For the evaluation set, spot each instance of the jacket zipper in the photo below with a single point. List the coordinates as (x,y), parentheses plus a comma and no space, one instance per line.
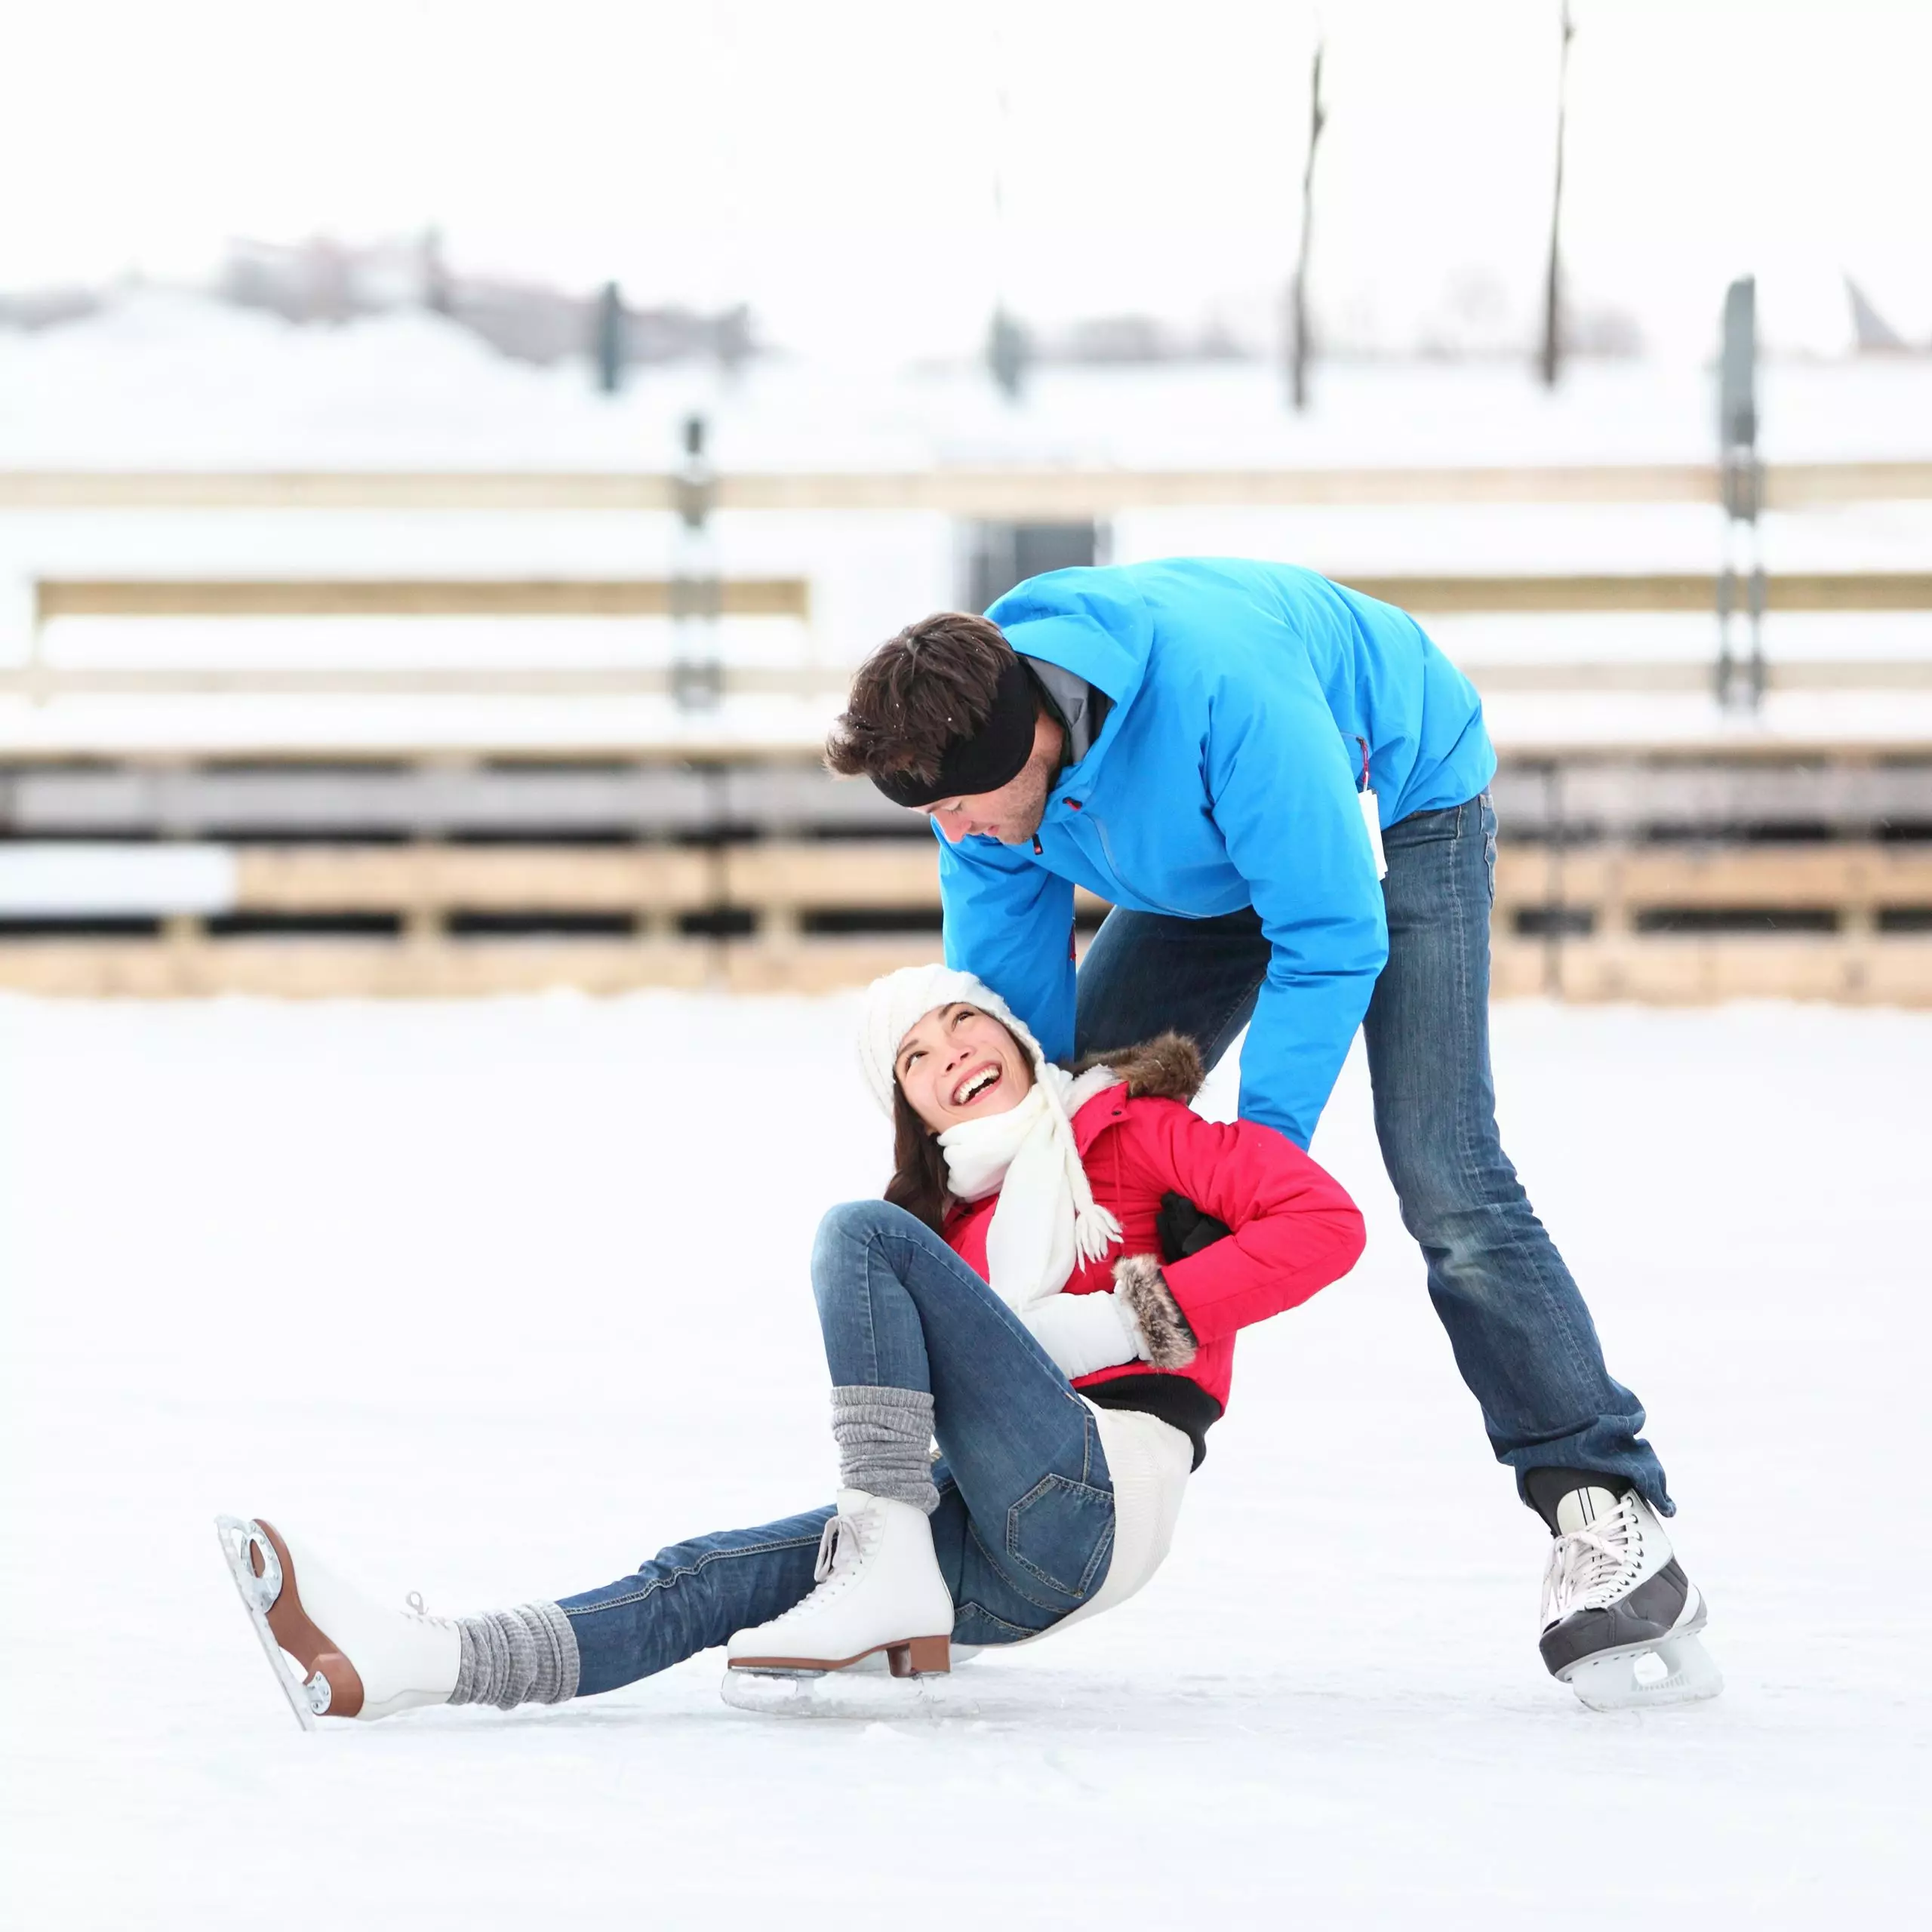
(1106,846)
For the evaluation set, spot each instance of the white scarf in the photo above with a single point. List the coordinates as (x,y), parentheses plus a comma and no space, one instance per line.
(1047,1218)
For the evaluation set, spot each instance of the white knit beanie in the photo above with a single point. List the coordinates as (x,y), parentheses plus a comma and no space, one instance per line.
(897,1003)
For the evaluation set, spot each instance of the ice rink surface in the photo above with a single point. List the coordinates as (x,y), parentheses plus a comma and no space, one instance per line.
(495,1299)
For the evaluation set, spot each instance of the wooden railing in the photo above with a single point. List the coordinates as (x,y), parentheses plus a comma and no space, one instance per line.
(1633,593)
(407,597)
(1577,923)
(1029,494)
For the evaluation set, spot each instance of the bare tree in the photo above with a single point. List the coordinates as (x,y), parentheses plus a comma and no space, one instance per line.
(1552,298)
(1298,348)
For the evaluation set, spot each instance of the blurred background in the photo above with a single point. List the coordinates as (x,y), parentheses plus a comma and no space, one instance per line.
(451,456)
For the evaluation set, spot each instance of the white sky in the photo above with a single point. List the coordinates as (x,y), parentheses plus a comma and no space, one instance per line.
(833,161)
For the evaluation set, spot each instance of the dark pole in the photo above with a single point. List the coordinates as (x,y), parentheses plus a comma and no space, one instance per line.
(1552,312)
(1318,117)
(1743,492)
(609,346)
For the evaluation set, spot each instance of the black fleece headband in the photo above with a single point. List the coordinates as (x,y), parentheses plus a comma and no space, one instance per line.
(985,760)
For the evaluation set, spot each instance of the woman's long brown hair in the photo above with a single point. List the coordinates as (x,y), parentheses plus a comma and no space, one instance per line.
(918,1166)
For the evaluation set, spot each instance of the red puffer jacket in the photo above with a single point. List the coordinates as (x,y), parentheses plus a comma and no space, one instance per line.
(1294,1229)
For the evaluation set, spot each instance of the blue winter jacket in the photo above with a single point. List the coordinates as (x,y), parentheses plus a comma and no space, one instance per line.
(1225,776)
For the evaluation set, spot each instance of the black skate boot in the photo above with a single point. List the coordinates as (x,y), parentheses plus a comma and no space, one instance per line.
(1620,1619)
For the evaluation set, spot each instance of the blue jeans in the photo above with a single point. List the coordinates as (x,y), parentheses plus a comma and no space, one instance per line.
(1522,1336)
(1025,1528)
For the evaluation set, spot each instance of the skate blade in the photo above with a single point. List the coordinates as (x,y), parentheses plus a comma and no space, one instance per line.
(865,1695)
(258,1596)
(1674,1670)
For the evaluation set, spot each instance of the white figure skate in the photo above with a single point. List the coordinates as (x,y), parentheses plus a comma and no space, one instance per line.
(1620,1619)
(352,1657)
(879,1594)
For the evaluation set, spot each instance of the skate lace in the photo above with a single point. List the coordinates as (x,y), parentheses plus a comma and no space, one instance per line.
(842,1542)
(1587,1567)
(414,1601)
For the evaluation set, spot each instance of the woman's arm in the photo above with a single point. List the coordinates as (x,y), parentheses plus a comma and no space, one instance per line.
(1294,1228)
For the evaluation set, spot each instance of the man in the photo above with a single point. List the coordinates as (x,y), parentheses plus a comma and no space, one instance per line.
(1225,751)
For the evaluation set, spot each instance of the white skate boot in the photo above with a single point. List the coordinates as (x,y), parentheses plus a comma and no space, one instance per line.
(879,1591)
(356,1658)
(1620,1619)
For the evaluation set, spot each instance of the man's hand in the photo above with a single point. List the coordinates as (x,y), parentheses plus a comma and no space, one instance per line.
(1184,1229)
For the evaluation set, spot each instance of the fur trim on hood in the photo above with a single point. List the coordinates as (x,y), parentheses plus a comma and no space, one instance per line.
(1166,1068)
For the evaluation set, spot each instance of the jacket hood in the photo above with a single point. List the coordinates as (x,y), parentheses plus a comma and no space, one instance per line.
(1166,1068)
(1093,622)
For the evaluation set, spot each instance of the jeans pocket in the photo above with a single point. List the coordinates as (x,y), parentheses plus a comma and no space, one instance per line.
(1062,1532)
(1488,811)
(973,1624)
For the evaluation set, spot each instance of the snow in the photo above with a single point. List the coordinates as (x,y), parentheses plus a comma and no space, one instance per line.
(496,1298)
(61,879)
(174,381)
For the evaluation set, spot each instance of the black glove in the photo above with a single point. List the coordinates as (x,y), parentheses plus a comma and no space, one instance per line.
(1184,1229)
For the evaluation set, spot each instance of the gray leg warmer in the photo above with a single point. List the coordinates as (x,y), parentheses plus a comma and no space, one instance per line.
(885,1437)
(524,1655)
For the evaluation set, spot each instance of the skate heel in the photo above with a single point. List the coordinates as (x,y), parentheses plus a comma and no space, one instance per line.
(920,1657)
(333,1689)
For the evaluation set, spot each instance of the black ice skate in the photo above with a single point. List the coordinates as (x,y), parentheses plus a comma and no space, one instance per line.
(1620,1619)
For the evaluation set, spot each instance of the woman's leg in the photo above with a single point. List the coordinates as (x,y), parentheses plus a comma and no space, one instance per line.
(917,1342)
(690,1597)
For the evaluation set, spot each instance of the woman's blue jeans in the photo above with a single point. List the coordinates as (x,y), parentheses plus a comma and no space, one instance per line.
(1025,1528)
(1522,1336)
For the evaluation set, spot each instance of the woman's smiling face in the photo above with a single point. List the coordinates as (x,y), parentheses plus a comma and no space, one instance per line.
(957,1063)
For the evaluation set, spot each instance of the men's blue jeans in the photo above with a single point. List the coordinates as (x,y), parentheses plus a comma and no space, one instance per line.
(1025,1528)
(1522,1336)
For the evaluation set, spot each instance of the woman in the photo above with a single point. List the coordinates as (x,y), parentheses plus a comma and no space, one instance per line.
(1005,1296)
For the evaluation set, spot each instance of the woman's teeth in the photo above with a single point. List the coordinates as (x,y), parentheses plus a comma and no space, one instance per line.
(969,1090)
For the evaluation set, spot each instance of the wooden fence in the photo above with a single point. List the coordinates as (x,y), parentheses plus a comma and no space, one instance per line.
(1666,924)
(1026,494)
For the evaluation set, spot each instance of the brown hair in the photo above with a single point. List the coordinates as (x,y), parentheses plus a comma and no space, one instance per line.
(933,683)
(918,1166)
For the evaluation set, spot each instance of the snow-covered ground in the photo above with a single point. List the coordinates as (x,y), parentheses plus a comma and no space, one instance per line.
(175,381)
(498,1297)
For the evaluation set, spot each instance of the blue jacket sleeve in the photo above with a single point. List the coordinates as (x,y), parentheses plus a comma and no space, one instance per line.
(1284,799)
(1010,922)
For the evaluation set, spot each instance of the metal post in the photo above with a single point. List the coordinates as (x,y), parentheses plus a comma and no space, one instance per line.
(1552,300)
(611,345)
(1740,686)
(697,597)
(1298,345)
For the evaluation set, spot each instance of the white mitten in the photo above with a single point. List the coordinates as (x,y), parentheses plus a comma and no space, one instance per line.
(1085,1333)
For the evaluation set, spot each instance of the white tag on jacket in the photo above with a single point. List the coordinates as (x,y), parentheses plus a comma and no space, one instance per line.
(1371,816)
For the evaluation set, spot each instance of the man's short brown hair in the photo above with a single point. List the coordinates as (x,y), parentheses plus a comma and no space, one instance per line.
(915,694)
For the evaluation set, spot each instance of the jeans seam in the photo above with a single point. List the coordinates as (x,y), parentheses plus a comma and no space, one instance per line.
(870,1327)
(678,1575)
(1465,1128)
(880,1236)
(1019,1630)
(1208,1046)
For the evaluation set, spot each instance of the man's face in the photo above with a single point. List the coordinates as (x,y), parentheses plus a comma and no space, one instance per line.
(1012,813)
